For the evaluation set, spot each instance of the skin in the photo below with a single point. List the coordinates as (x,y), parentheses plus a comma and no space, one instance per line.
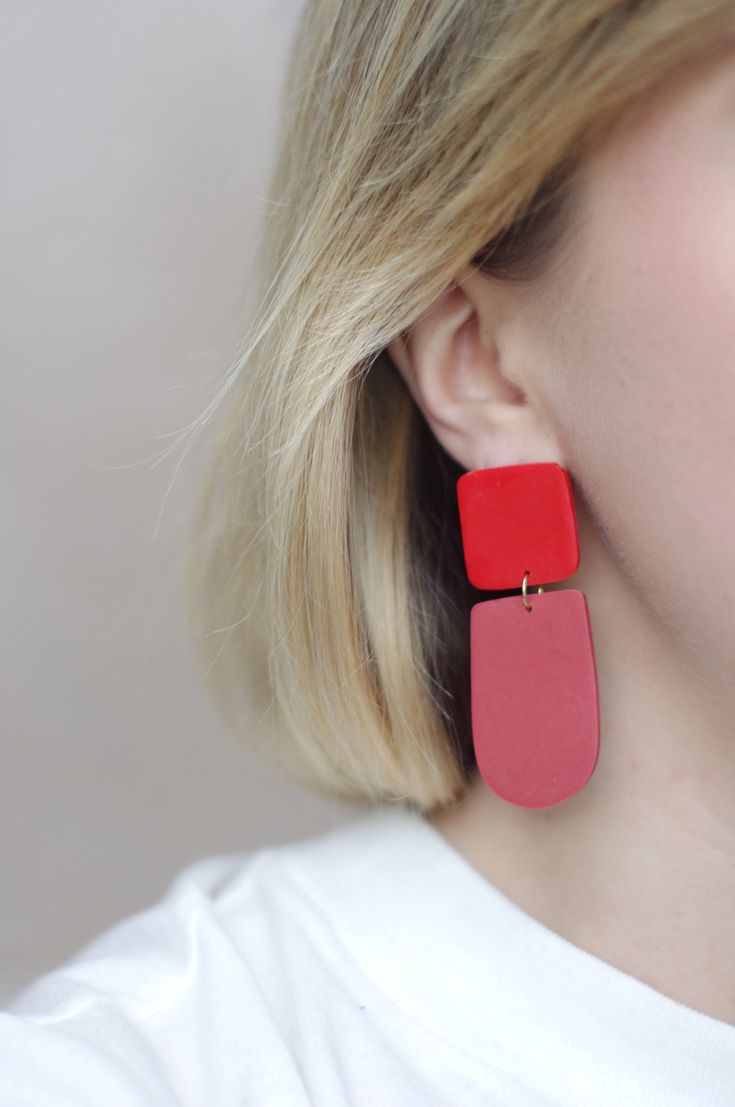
(619,364)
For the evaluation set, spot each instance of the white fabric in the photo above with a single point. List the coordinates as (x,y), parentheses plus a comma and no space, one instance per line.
(368,965)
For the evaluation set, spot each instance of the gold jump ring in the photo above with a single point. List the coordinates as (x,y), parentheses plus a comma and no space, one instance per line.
(525,595)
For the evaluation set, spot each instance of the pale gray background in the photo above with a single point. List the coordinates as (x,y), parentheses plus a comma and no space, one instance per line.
(135,141)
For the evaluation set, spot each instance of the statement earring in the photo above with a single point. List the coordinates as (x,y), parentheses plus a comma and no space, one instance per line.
(533,679)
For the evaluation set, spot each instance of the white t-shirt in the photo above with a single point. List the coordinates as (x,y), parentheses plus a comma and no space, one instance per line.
(367,965)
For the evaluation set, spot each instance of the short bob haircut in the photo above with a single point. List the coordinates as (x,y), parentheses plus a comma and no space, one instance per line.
(327,589)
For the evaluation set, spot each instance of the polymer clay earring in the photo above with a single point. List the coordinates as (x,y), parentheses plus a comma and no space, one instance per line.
(533,679)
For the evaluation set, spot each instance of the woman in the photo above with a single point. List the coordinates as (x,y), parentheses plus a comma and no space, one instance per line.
(501,235)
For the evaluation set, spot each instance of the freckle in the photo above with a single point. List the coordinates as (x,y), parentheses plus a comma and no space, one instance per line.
(679,773)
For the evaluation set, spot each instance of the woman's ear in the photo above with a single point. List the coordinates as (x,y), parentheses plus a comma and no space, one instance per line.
(462,362)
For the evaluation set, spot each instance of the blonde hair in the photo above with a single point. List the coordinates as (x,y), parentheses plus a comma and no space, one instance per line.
(329,601)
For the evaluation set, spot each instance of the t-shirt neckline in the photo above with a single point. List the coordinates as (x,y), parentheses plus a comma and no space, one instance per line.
(462,958)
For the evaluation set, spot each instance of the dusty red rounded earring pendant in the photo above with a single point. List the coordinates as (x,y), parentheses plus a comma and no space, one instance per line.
(534,695)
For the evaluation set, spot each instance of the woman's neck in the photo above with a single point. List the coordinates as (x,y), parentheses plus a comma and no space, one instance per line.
(639,867)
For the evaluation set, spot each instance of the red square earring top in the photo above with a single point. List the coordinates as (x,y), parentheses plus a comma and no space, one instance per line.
(518,519)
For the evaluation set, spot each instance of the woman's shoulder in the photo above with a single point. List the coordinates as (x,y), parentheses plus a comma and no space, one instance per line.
(203,994)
